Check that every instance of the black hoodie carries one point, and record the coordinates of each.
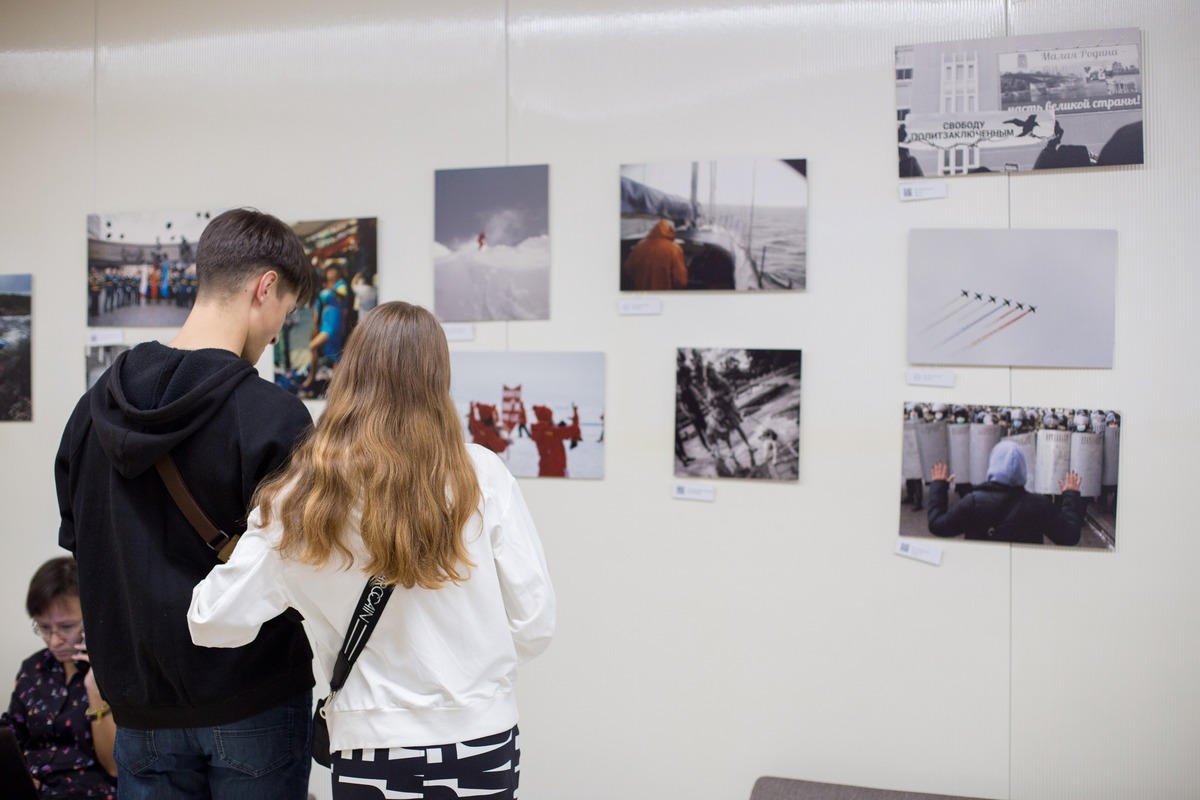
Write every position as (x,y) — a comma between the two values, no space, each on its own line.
(139,558)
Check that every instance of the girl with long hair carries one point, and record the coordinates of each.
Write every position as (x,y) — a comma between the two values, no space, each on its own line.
(386,486)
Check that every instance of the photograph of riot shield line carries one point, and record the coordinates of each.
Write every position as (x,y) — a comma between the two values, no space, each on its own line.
(1022,474)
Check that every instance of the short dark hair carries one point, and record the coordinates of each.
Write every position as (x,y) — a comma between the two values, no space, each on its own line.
(240,244)
(55,580)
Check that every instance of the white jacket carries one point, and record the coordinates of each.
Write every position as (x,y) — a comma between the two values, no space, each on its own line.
(440,665)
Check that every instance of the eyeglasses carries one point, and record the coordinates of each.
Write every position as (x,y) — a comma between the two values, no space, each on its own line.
(66,631)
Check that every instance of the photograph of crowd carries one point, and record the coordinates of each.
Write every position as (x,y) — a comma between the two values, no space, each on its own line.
(99,358)
(1012,297)
(491,249)
(543,413)
(734,224)
(342,253)
(1028,475)
(142,267)
(16,301)
(737,414)
(1017,103)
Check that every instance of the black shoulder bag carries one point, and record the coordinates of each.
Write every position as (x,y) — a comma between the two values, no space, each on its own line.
(374,597)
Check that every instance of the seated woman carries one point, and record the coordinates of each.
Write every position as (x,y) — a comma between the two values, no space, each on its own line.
(56,711)
(385,486)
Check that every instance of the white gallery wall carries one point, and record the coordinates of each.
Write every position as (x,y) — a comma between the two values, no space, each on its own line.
(772,631)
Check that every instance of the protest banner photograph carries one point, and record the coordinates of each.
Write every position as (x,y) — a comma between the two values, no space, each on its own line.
(1019,103)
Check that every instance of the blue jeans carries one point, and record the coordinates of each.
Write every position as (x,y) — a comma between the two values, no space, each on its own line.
(264,757)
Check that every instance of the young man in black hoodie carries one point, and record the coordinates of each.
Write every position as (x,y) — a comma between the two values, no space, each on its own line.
(192,721)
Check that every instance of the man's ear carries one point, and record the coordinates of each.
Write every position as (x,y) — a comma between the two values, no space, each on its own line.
(265,285)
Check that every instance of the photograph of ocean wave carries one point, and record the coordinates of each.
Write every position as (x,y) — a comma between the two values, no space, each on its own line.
(16,296)
(491,250)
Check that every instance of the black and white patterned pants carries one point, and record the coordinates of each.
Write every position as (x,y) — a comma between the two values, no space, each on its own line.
(488,767)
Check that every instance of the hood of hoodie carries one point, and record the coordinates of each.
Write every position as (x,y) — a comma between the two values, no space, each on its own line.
(663,229)
(155,397)
(1006,464)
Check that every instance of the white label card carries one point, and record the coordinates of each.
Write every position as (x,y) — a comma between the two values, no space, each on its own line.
(640,306)
(103,336)
(929,553)
(923,190)
(693,491)
(931,377)
(459,331)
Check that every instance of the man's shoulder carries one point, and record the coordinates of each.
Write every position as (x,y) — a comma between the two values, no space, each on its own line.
(264,399)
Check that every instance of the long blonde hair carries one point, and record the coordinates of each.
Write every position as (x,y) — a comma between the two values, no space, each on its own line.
(389,444)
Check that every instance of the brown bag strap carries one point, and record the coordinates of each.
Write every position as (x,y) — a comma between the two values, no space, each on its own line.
(218,541)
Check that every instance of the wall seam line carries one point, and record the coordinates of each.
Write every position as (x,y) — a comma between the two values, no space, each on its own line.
(95,87)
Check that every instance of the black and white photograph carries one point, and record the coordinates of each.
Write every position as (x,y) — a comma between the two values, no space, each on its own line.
(491,249)
(1012,297)
(1020,103)
(725,225)
(16,364)
(142,267)
(99,358)
(737,413)
(1019,474)
(343,257)
(543,413)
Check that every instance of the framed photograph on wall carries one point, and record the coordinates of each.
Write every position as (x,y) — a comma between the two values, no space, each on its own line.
(1017,474)
(1017,103)
(1012,297)
(142,267)
(731,224)
(737,413)
(16,362)
(98,358)
(543,413)
(343,256)
(491,248)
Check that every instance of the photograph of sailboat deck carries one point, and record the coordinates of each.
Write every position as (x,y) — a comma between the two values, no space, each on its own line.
(749,233)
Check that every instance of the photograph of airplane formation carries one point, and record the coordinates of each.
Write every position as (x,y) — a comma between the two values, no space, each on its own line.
(1002,297)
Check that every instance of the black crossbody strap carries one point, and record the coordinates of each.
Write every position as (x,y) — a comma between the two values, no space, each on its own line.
(374,597)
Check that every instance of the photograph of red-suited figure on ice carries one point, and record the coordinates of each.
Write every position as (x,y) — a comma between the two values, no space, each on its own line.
(543,413)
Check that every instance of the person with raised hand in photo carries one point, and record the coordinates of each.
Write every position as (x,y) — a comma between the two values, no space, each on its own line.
(1001,510)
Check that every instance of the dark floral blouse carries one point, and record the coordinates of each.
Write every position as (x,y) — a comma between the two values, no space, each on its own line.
(47,716)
